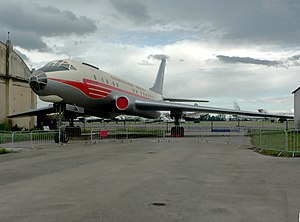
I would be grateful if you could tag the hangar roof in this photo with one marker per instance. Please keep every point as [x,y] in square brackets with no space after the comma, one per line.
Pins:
[296,90]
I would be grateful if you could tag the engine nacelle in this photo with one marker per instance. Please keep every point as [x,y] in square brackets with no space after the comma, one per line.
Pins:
[127,106]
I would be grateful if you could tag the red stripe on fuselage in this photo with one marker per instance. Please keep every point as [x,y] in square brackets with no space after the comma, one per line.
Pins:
[91,87]
[85,88]
[114,88]
[96,85]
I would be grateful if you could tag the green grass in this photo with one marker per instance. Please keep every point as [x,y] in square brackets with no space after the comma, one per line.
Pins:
[4,151]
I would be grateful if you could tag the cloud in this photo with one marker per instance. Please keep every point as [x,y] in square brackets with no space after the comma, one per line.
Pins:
[292,61]
[32,22]
[133,9]
[288,62]
[247,60]
[151,59]
[22,55]
[232,22]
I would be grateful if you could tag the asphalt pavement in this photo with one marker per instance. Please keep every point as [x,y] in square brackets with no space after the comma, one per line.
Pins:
[147,180]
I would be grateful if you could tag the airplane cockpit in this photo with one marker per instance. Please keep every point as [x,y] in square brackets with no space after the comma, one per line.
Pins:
[38,80]
[59,65]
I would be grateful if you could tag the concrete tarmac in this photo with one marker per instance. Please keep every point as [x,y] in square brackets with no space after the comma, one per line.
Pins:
[148,181]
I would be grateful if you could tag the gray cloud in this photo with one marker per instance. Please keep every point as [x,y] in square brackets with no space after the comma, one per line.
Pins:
[288,62]
[32,21]
[234,21]
[293,61]
[132,9]
[254,22]
[247,60]
[28,40]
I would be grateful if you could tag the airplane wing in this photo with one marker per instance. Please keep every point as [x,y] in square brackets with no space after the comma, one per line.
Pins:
[175,107]
[48,110]
[185,100]
[40,111]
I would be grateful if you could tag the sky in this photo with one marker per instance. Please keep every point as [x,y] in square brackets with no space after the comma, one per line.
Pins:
[224,51]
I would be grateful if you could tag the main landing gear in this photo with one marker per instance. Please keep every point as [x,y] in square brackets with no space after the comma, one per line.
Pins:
[65,132]
[62,136]
[177,130]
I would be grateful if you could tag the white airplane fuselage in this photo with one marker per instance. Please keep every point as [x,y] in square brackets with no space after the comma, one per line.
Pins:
[82,85]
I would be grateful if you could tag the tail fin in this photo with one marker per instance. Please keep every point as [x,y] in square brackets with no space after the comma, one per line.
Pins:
[159,81]
[236,106]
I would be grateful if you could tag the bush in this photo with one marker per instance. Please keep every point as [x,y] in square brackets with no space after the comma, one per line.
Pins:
[4,127]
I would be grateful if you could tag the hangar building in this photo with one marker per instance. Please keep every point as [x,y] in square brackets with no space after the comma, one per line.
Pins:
[16,95]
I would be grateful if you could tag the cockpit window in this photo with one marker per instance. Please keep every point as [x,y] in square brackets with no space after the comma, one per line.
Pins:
[52,69]
[59,65]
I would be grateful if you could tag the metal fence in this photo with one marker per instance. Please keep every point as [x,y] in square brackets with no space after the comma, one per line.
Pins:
[27,139]
[5,137]
[276,139]
[161,133]
[263,138]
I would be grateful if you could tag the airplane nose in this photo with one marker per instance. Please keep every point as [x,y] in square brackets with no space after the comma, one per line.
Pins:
[38,81]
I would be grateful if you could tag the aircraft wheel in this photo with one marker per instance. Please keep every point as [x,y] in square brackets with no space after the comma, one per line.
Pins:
[182,131]
[56,138]
[64,138]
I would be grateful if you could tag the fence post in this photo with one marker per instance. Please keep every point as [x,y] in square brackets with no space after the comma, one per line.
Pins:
[12,139]
[59,135]
[92,135]
[297,137]
[286,140]
[31,143]
[259,138]
[294,140]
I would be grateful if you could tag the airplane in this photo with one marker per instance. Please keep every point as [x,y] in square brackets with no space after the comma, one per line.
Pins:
[84,89]
[281,119]
[241,117]
[194,116]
